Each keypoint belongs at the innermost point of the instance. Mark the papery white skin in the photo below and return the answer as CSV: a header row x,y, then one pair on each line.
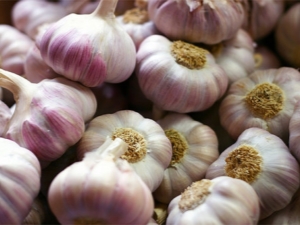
x,y
138,32
173,87
266,58
20,181
159,150
49,116
236,56
208,22
294,132
35,69
100,188
236,117
202,151
287,38
262,17
231,201
89,54
13,48
279,177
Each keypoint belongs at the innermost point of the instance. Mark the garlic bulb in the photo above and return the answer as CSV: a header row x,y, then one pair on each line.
x,y
266,58
178,76
264,161
195,147
235,55
294,133
20,181
287,39
222,200
89,54
14,46
264,99
262,17
101,189
49,116
208,22
149,151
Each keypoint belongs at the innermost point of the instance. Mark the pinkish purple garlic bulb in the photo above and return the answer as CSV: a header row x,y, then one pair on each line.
x,y
49,116
208,22
89,48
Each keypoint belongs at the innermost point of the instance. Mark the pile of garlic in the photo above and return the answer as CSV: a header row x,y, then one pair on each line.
x,y
150,112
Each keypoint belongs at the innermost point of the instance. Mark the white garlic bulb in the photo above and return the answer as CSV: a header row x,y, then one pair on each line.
x,y
264,161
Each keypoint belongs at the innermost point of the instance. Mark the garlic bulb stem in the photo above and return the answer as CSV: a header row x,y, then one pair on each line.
x,y
106,8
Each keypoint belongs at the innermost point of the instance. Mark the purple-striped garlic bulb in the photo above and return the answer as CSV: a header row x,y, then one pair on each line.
x,y
222,200
179,76
35,69
266,58
49,116
194,146
89,48
208,22
294,132
236,55
287,38
20,181
264,99
149,151
262,17
265,162
14,46
101,189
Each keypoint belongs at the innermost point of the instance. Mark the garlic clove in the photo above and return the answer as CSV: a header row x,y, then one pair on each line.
x,y
89,54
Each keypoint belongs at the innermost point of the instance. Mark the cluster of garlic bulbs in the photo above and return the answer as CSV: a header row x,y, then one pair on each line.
x,y
169,112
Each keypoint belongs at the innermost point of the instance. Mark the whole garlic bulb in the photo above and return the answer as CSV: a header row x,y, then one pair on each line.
x,y
195,147
149,151
264,161
208,22
14,46
86,47
49,116
179,76
101,189
20,181
222,200
265,99
287,38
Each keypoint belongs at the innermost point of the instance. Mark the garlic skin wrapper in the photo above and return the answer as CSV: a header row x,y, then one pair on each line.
x,y
266,58
294,132
20,181
195,147
137,24
89,54
38,212
235,55
101,189
222,200
5,116
262,17
208,22
178,76
265,99
13,49
287,38
49,116
149,151
264,161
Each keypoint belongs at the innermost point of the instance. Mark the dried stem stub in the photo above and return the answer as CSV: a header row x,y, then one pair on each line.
x,y
136,16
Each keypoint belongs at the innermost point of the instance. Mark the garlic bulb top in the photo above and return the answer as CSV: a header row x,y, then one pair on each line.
x,y
149,151
14,46
49,116
86,47
208,22
195,147
287,40
265,99
179,76
101,189
222,200
20,181
264,161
